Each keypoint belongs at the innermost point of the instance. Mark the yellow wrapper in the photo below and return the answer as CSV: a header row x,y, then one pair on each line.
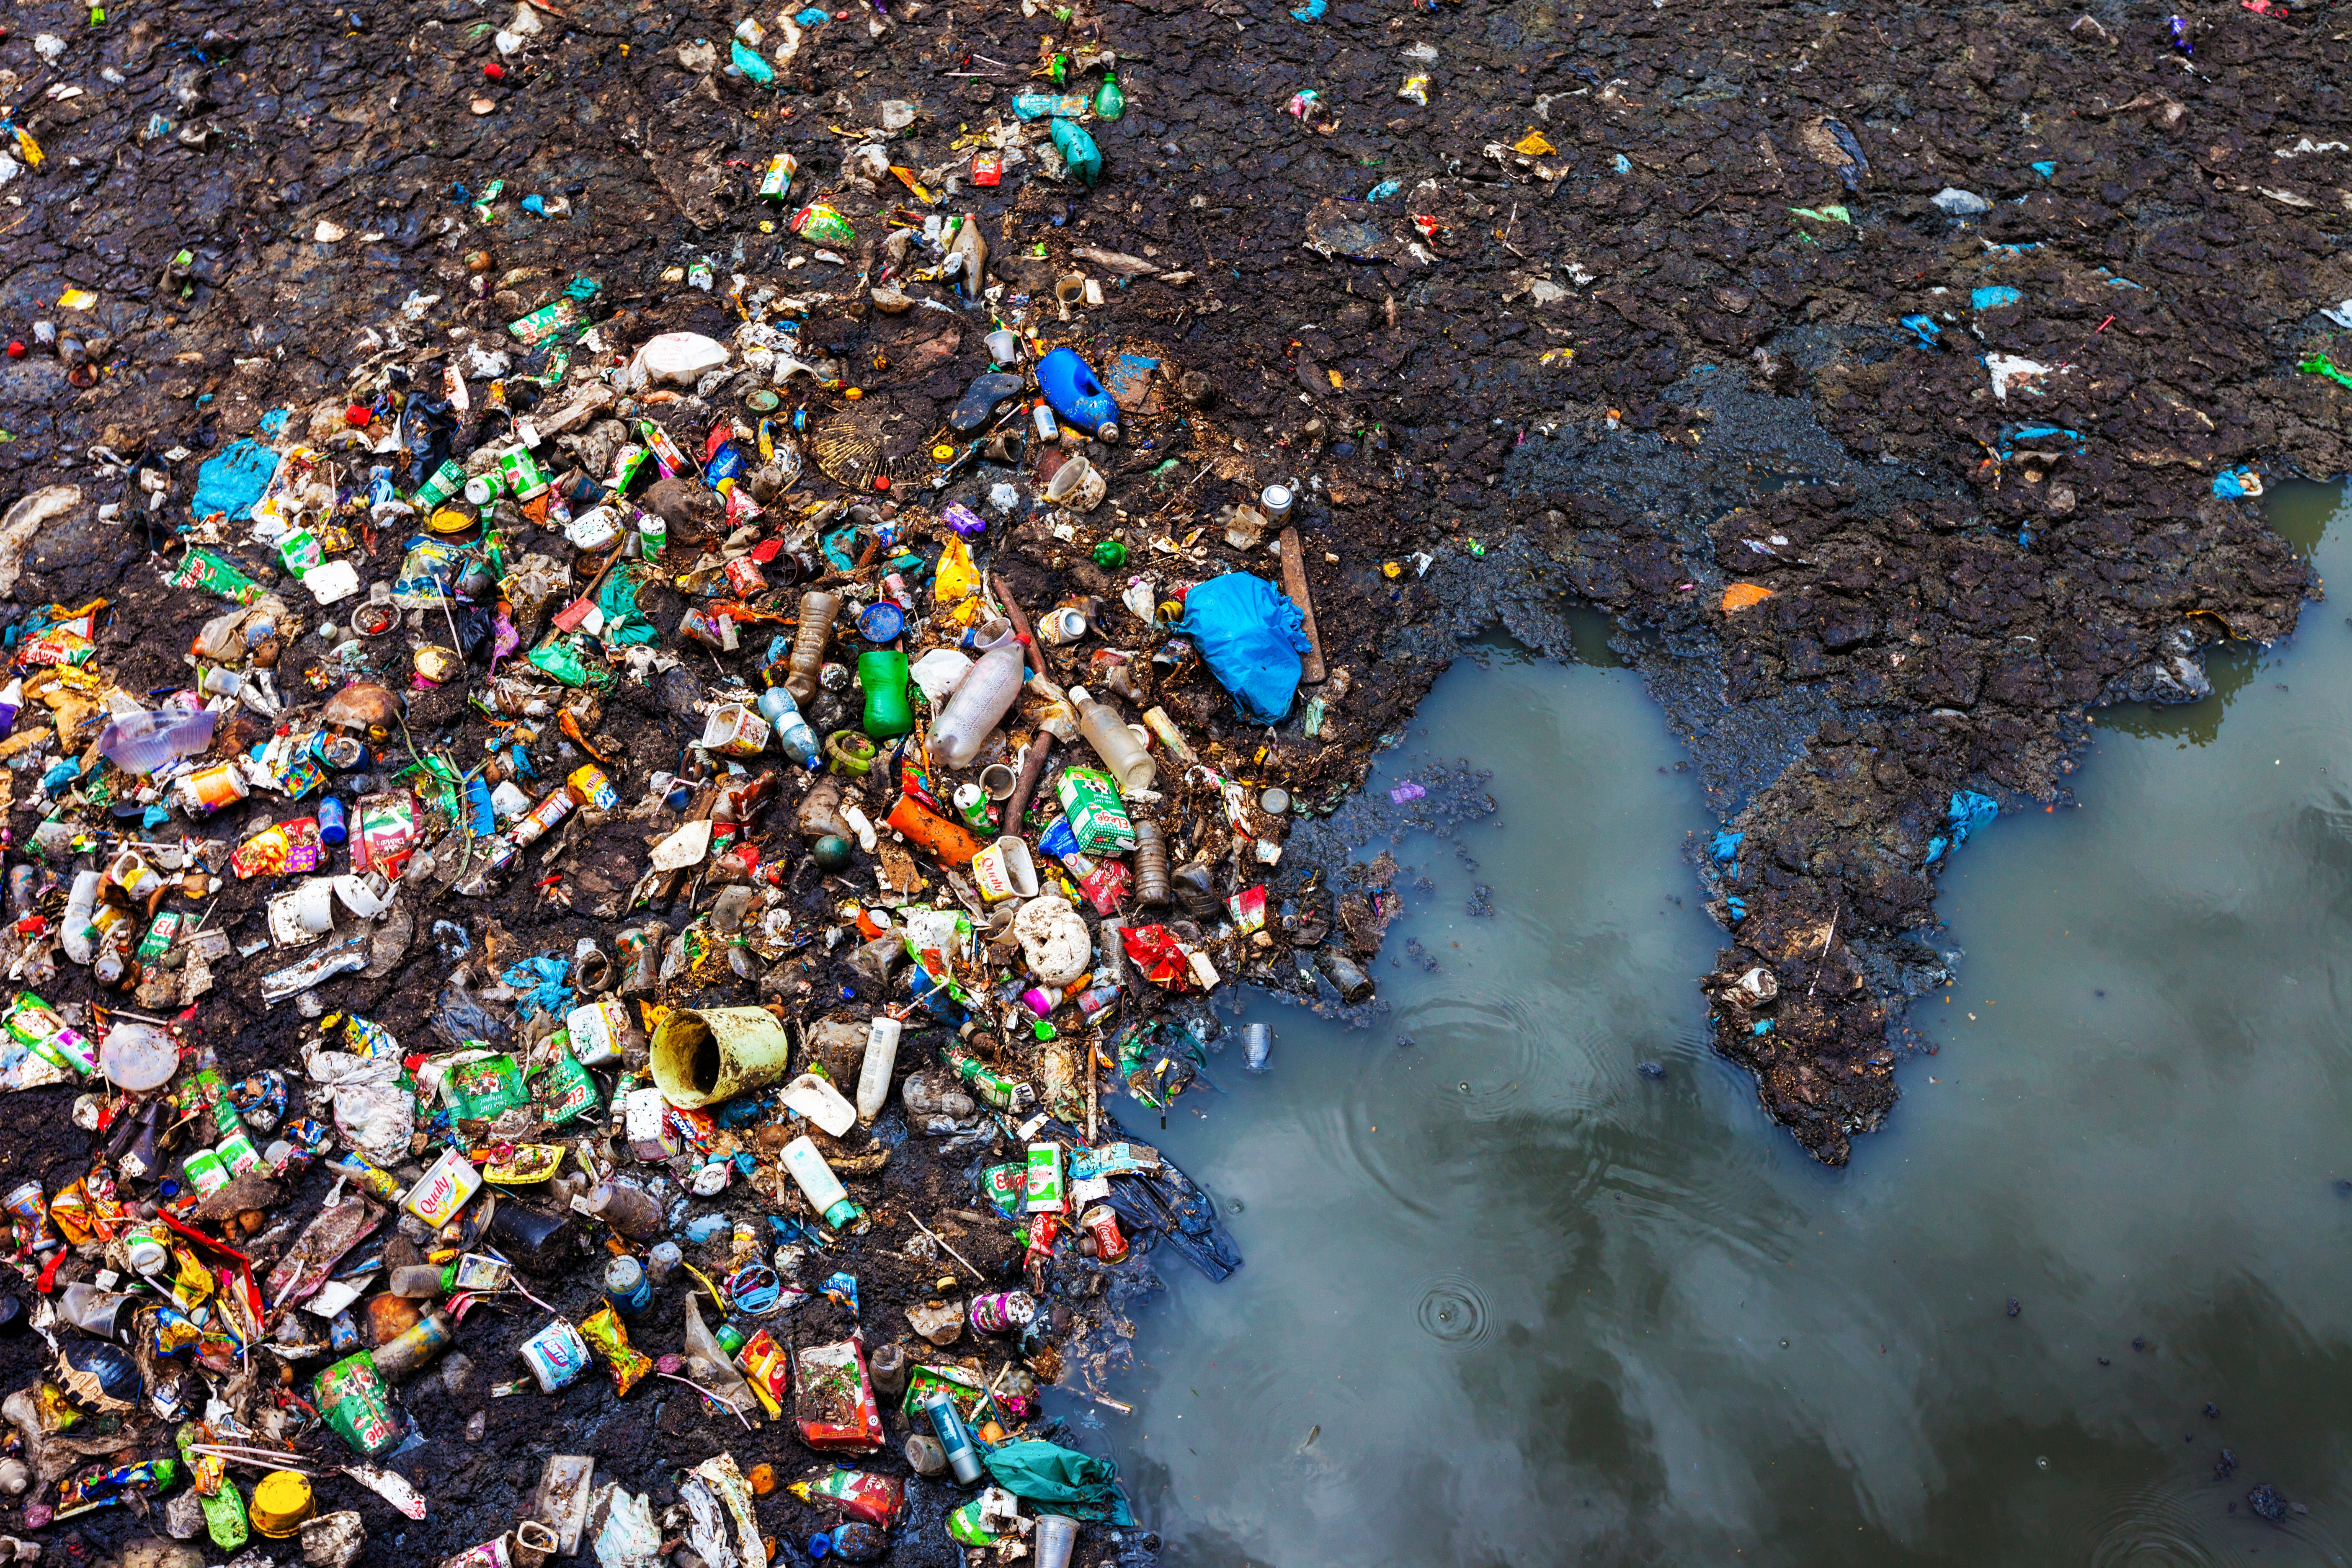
x,y
608,1337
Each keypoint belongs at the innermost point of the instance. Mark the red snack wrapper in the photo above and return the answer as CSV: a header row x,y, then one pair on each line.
x,y
832,1398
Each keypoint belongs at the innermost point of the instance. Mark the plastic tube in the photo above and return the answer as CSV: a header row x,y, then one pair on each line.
x,y
982,699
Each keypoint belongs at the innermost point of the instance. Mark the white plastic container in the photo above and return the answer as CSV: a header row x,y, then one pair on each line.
x,y
881,1061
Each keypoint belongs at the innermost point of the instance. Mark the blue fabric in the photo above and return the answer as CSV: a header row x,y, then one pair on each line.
x,y
234,481
1249,634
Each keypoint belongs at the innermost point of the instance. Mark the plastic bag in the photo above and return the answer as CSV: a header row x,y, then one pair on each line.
x,y
1249,634
630,1538
956,577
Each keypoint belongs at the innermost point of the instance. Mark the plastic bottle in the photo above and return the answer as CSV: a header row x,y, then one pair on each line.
x,y
1110,102
417,1281
1151,888
1076,394
881,1058
819,1184
883,674
1113,742
80,904
792,731
979,702
817,610
634,1214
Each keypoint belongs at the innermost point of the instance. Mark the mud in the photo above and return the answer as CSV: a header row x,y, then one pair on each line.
x,y
1626,371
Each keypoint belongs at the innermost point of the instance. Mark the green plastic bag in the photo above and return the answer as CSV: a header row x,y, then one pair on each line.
x,y
1059,1480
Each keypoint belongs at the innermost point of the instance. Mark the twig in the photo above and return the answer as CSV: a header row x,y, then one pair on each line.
x,y
1824,954
951,1252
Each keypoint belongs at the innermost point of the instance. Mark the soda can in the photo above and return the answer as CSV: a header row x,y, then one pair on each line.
x,y
653,533
626,1286
1003,1312
972,804
335,827
744,577
589,782
444,482
205,1172
520,474
556,1354
211,789
482,489
1042,1187
1102,1224
777,183
29,1206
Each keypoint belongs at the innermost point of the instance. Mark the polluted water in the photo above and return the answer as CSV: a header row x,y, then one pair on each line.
x,y
1532,1279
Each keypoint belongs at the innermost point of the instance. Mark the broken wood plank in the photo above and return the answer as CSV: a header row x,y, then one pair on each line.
x,y
1294,582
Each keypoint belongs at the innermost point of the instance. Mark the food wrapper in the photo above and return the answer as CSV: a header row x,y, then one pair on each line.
x,y
832,1398
608,1337
1154,950
282,849
965,1388
487,1088
768,1366
108,1487
860,1494
203,569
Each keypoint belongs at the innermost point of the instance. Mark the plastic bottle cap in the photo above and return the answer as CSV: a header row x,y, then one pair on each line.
x,y
280,1503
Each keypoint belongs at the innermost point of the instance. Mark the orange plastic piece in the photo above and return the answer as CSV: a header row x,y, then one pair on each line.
x,y
950,844
1739,596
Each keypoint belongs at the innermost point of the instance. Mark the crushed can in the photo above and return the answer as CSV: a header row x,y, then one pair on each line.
x,y
1042,1188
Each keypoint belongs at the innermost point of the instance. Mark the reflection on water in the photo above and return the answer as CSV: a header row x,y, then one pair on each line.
x,y
1510,1299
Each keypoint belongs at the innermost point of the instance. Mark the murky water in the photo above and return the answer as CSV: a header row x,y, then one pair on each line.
x,y
1511,1300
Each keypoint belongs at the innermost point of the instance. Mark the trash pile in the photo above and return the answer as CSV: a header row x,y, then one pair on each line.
x,y
639,896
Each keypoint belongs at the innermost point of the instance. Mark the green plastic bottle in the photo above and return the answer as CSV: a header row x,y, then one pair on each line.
x,y
884,676
1110,102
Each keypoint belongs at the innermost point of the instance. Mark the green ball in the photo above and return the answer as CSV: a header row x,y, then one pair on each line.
x,y
832,853
1110,554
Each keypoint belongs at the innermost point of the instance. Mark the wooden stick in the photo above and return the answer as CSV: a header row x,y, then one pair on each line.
x,y
1294,582
951,1252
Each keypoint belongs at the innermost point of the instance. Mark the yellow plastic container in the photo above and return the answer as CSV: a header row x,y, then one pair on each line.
x,y
704,1054
280,1503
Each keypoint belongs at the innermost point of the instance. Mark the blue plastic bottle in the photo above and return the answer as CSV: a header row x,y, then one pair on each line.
x,y
793,732
1076,394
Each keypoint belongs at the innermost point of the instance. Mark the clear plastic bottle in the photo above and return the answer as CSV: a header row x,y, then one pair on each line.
x,y
980,701
817,610
1113,742
1152,887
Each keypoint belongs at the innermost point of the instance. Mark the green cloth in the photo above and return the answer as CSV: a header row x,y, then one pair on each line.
x,y
1060,1480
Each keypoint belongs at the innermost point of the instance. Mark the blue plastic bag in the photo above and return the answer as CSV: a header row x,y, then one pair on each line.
x,y
1249,634
234,481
